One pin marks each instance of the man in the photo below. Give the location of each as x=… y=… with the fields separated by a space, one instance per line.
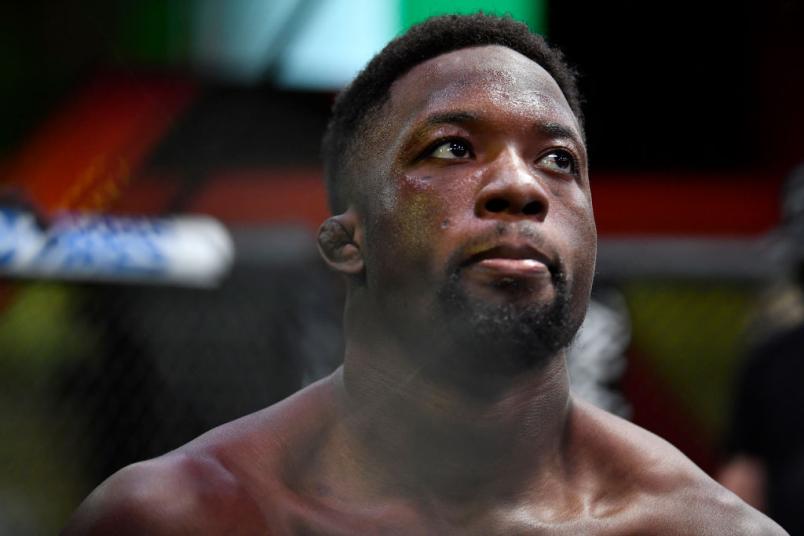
x=765 y=438
x=463 y=224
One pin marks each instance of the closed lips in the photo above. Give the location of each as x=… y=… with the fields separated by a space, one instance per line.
x=513 y=259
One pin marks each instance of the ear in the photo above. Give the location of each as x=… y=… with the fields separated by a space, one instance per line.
x=339 y=243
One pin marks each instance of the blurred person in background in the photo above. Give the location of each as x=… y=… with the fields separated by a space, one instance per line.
x=766 y=436
x=463 y=224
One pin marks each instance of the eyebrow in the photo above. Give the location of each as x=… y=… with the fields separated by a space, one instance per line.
x=456 y=117
x=558 y=131
x=549 y=130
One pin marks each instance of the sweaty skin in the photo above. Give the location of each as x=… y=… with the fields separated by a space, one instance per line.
x=477 y=183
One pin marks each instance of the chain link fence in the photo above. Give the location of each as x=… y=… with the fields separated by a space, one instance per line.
x=97 y=376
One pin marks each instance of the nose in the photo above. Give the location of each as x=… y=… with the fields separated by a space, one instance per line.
x=513 y=191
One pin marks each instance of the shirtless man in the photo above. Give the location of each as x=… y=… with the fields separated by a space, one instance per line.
x=457 y=170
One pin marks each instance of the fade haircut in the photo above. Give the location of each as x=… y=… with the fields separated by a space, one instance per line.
x=362 y=99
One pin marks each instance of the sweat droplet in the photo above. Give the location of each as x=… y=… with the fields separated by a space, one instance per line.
x=445 y=224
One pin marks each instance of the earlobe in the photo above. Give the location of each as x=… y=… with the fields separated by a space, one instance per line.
x=339 y=245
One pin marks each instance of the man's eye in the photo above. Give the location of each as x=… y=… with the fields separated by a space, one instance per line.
x=560 y=161
x=453 y=149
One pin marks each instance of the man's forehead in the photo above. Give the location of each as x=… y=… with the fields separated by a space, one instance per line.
x=479 y=59
x=477 y=76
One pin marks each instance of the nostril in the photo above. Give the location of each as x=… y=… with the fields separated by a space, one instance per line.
x=533 y=208
x=497 y=205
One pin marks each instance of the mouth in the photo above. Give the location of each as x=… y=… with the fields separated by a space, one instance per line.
x=512 y=261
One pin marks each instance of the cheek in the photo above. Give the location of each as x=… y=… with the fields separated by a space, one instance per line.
x=404 y=229
x=584 y=244
x=424 y=208
x=577 y=217
x=414 y=212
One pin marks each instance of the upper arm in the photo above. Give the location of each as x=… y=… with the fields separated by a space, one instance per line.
x=174 y=496
x=715 y=510
x=139 y=499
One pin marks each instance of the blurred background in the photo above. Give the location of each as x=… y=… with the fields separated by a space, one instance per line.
x=169 y=108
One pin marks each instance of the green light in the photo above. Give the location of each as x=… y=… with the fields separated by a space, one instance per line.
x=531 y=12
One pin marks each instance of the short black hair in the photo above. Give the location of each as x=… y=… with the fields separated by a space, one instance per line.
x=431 y=38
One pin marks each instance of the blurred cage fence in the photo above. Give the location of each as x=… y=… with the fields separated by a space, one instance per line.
x=99 y=375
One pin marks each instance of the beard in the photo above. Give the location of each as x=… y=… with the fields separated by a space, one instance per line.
x=508 y=337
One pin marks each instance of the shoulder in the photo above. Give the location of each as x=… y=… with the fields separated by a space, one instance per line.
x=175 y=494
x=221 y=482
x=705 y=509
x=665 y=492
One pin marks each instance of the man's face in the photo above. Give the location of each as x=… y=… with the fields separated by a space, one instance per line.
x=480 y=211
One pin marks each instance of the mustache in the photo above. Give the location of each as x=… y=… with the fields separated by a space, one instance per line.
x=493 y=237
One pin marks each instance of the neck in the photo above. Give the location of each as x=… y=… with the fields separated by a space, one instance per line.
x=405 y=425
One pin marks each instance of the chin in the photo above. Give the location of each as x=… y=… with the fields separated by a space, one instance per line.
x=517 y=329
